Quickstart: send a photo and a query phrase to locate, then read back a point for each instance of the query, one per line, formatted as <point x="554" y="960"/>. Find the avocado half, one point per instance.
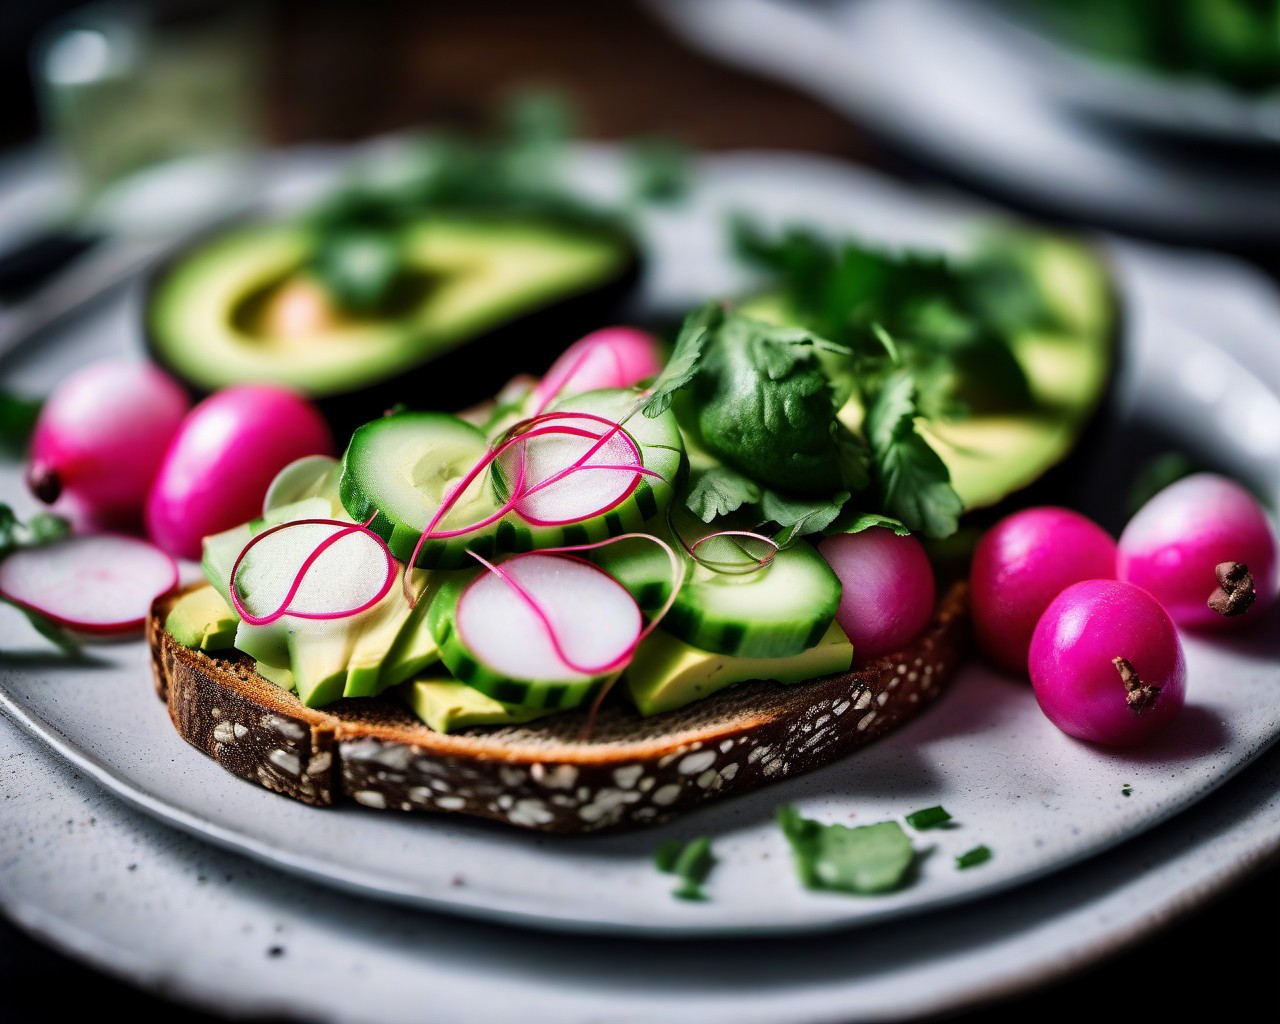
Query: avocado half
<point x="1029" y="451"/>
<point x="488" y="296"/>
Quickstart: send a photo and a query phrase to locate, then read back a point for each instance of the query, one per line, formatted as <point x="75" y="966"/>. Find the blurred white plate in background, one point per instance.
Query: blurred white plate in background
<point x="936" y="80"/>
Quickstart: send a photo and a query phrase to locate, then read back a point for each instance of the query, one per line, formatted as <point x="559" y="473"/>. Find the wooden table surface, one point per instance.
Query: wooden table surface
<point x="335" y="74"/>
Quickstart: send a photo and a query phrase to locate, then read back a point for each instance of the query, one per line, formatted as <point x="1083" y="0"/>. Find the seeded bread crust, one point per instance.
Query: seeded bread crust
<point x="632" y="771"/>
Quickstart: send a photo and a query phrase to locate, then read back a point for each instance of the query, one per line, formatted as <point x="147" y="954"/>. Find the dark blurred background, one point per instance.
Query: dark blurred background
<point x="327" y="71"/>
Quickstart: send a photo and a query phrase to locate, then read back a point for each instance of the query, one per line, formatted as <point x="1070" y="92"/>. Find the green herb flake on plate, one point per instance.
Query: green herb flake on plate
<point x="972" y="858"/>
<point x="863" y="859"/>
<point x="691" y="862"/>
<point x="928" y="817"/>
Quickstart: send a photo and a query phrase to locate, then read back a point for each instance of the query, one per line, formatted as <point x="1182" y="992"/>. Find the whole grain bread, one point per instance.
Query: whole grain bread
<point x="631" y="771"/>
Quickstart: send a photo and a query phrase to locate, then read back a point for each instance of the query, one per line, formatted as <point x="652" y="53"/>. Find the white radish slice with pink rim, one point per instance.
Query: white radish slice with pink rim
<point x="569" y="467"/>
<point x="98" y="586"/>
<point x="556" y="617"/>
<point x="311" y="569"/>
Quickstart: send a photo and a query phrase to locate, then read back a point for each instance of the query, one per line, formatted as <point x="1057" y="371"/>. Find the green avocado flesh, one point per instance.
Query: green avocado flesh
<point x="467" y="275"/>
<point x="202" y="620"/>
<point x="667" y="673"/>
<point x="991" y="456"/>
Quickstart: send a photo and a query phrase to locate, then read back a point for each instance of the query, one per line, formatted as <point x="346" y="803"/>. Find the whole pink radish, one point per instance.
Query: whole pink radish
<point x="887" y="590"/>
<point x="612" y="357"/>
<point x="1204" y="548"/>
<point x="1106" y="663"/>
<point x="222" y="460"/>
<point x="100" y="438"/>
<point x="97" y="586"/>
<point x="1021" y="564"/>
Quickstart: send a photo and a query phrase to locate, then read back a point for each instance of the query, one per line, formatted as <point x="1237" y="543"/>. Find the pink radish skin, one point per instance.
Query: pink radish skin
<point x="1173" y="544"/>
<point x="101" y="437"/>
<point x="1076" y="680"/>
<point x="1020" y="565"/>
<point x="98" y="587"/>
<point x="612" y="357"/>
<point x="222" y="460"/>
<point x="887" y="589"/>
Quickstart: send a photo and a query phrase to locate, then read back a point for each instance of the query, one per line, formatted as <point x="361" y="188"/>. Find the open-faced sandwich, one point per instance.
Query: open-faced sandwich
<point x="653" y="576"/>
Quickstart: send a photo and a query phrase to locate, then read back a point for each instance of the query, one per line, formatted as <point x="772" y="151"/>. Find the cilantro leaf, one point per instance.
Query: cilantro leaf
<point x="686" y="357"/>
<point x="799" y="516"/>
<point x="914" y="481"/>
<point x="762" y="402"/>
<point x="856" y="522"/>
<point x="719" y="490"/>
<point x="865" y="859"/>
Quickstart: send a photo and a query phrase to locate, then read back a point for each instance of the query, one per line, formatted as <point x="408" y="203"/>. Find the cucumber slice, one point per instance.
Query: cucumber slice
<point x="632" y="502"/>
<point x="312" y="476"/>
<point x="398" y="470"/>
<point x="493" y="641"/>
<point x="642" y="567"/>
<point x="774" y="612"/>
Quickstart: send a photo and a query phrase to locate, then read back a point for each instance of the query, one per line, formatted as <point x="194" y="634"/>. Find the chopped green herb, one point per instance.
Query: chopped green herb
<point x="691" y="862"/>
<point x="42" y="528"/>
<point x="17" y="420"/>
<point x="928" y="817"/>
<point x="659" y="169"/>
<point x="864" y="859"/>
<point x="1127" y="790"/>
<point x="666" y="855"/>
<point x="972" y="858"/>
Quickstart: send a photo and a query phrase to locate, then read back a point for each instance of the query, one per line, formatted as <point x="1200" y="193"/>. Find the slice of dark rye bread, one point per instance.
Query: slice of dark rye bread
<point x="631" y="771"/>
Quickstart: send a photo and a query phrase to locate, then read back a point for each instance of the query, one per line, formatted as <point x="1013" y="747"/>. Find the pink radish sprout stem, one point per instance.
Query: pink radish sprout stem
<point x="346" y="530"/>
<point x="521" y="434"/>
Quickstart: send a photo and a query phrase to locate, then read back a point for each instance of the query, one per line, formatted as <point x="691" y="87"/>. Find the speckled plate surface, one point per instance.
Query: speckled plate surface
<point x="1200" y="358"/>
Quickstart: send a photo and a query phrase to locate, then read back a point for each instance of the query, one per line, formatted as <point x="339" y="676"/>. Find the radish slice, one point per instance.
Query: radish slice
<point x="558" y="618"/>
<point x="311" y="569"/>
<point x="97" y="586"/>
<point x="570" y="468"/>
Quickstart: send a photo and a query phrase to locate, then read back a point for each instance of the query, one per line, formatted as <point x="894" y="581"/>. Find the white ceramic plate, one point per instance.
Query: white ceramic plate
<point x="1039" y="800"/>
<point x="955" y="91"/>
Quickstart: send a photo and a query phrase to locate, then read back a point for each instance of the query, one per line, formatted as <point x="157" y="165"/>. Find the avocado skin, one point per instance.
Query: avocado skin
<point x="454" y="380"/>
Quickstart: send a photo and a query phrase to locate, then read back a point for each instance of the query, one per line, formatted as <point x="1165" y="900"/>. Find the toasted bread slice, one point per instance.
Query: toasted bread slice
<point x="631" y="770"/>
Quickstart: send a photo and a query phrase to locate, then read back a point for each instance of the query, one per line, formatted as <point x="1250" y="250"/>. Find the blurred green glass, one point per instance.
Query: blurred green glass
<point x="1236" y="42"/>
<point x="125" y="87"/>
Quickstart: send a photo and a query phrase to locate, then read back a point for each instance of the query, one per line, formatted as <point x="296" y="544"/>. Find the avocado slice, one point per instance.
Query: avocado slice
<point x="1068" y="367"/>
<point x="667" y="673"/>
<point x="479" y="287"/>
<point x="448" y="705"/>
<point x="202" y="620"/>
